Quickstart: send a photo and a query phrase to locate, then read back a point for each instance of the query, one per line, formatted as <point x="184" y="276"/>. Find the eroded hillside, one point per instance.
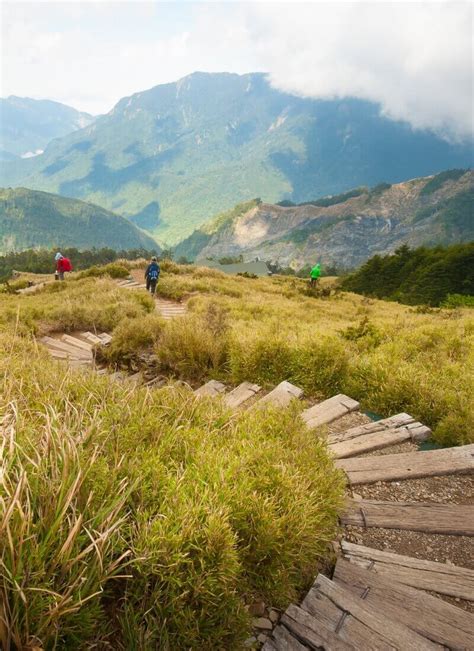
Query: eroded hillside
<point x="356" y="225"/>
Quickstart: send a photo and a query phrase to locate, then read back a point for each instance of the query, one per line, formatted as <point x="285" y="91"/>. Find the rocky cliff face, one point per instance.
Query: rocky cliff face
<point x="424" y="211"/>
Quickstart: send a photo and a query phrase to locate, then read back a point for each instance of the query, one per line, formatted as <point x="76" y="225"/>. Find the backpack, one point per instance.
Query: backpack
<point x="153" y="272"/>
<point x="66" y="264"/>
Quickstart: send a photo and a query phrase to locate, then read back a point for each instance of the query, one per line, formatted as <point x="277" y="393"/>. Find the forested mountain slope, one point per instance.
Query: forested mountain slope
<point x="344" y="230"/>
<point x="30" y="218"/>
<point x="170" y="157"/>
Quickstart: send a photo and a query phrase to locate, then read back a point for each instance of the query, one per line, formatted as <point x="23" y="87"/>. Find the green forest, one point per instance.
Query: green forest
<point x="423" y="275"/>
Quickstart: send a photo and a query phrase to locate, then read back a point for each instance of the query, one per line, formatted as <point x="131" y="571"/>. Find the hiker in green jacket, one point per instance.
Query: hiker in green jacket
<point x="315" y="275"/>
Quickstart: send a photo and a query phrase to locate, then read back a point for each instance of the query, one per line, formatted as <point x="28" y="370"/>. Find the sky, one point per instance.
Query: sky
<point x="414" y="58"/>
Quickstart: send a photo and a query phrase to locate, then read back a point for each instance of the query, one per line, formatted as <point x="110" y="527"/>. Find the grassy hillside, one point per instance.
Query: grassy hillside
<point x="30" y="219"/>
<point x="170" y="157"/>
<point x="144" y="516"/>
<point x="170" y="514"/>
<point x="346" y="229"/>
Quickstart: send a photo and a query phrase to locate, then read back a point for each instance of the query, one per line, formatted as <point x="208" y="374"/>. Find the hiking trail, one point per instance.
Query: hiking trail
<point x="375" y="598"/>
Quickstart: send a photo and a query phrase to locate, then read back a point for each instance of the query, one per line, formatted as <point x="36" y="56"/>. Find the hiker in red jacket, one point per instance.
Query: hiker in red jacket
<point x="62" y="265"/>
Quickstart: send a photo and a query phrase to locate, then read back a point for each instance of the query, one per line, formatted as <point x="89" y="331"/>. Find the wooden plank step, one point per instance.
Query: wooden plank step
<point x="399" y="420"/>
<point x="91" y="337"/>
<point x="281" y="396"/>
<point x="211" y="388"/>
<point x="283" y="640"/>
<point x="366" y="470"/>
<point x="329" y="410"/>
<point x="429" y="616"/>
<point x="105" y="338"/>
<point x="378" y="440"/>
<point x="454" y="519"/>
<point x="427" y="575"/>
<point x="60" y="354"/>
<point x="357" y="622"/>
<point x="57" y="344"/>
<point x="240" y="394"/>
<point x="315" y="633"/>
<point x="75" y="341"/>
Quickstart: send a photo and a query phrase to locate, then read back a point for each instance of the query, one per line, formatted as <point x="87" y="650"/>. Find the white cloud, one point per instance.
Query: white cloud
<point x="415" y="59"/>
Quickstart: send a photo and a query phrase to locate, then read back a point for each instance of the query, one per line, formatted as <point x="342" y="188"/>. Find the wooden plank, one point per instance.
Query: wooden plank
<point x="429" y="616"/>
<point x="329" y="410"/>
<point x="283" y="640"/>
<point x="379" y="440"/>
<point x="57" y="344"/>
<point x="240" y="394"/>
<point x="412" y="465"/>
<point x="312" y="632"/>
<point x="59" y="354"/>
<point x="74" y="341"/>
<point x="392" y="631"/>
<point x="350" y="630"/>
<point x="454" y="519"/>
<point x="399" y="420"/>
<point x="427" y="575"/>
<point x="281" y="396"/>
<point x="94" y="339"/>
<point x="105" y="338"/>
<point x="211" y="388"/>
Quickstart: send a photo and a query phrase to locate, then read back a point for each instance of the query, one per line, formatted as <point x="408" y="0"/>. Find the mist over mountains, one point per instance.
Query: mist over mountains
<point x="27" y="125"/>
<point x="170" y="157"/>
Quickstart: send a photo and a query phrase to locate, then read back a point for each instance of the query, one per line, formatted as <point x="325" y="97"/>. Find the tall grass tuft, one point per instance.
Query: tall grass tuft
<point x="58" y="548"/>
<point x="147" y="518"/>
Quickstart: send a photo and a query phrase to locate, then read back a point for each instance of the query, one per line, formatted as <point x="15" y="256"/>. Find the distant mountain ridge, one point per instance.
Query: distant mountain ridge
<point x="32" y="219"/>
<point x="170" y="157"/>
<point x="344" y="230"/>
<point x="28" y="125"/>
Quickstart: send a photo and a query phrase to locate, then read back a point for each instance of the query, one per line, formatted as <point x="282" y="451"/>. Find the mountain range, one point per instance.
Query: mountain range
<point x="343" y="230"/>
<point x="27" y="125"/>
<point x="170" y="157"/>
<point x="31" y="219"/>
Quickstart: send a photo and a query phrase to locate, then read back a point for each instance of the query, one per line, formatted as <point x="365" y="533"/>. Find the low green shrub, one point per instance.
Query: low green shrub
<point x="113" y="270"/>
<point x="458" y="300"/>
<point x="133" y="336"/>
<point x="189" y="349"/>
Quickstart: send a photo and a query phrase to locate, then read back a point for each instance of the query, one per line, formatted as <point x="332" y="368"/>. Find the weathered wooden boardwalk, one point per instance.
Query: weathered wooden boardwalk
<point x="77" y="350"/>
<point x="377" y="599"/>
<point x="167" y="308"/>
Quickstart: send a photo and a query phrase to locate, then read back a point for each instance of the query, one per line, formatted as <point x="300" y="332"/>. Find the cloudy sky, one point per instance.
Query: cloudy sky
<point x="414" y="58"/>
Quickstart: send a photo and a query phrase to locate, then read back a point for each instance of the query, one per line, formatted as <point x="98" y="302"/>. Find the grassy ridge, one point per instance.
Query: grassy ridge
<point x="137" y="518"/>
<point x="383" y="354"/>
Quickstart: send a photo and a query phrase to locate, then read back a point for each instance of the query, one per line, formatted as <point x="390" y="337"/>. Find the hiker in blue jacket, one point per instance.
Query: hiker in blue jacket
<point x="152" y="274"/>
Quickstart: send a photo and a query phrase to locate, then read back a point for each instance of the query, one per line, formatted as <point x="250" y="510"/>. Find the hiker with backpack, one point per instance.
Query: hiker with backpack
<point x="152" y="274"/>
<point x="314" y="275"/>
<point x="63" y="265"/>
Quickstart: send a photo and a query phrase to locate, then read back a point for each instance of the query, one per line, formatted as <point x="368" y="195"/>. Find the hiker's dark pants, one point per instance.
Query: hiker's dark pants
<point x="313" y="282"/>
<point x="151" y="285"/>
